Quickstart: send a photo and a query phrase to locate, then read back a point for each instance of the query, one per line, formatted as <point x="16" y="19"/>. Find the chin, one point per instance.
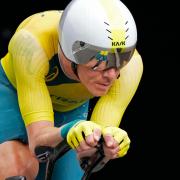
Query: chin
<point x="98" y="93"/>
<point x="98" y="90"/>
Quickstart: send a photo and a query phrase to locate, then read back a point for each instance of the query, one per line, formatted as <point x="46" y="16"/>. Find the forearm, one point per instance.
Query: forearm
<point x="107" y="113"/>
<point x="49" y="136"/>
<point x="43" y="133"/>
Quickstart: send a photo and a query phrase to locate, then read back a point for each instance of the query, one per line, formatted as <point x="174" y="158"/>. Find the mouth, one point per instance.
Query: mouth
<point x="102" y="86"/>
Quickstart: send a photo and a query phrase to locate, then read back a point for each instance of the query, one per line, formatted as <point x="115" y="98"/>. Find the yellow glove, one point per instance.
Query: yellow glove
<point x="75" y="134"/>
<point x="120" y="136"/>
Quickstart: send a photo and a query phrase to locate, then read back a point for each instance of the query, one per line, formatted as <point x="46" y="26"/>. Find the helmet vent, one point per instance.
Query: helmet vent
<point x="106" y="23"/>
<point x="127" y="29"/>
<point x="110" y="38"/>
<point x="108" y="30"/>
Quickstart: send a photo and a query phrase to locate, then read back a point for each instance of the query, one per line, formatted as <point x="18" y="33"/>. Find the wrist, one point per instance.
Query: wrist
<point x="66" y="127"/>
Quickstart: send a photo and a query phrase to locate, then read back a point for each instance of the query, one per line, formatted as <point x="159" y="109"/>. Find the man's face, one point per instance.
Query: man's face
<point x="97" y="80"/>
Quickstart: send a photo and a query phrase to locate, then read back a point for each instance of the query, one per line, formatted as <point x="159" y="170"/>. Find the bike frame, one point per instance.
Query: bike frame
<point x="51" y="155"/>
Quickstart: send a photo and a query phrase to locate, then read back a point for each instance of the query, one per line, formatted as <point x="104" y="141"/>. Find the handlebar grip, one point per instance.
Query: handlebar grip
<point x="44" y="153"/>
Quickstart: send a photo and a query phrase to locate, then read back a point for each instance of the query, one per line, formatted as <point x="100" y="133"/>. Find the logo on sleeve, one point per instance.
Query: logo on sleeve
<point x="52" y="74"/>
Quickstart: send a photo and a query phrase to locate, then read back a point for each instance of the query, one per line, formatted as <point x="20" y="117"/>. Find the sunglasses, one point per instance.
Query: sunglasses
<point x="115" y="57"/>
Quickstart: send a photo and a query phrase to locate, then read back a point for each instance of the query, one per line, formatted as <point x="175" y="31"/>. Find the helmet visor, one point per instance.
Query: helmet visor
<point x="115" y="57"/>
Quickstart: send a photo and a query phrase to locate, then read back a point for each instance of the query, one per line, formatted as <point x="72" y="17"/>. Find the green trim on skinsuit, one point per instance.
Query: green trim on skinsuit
<point x="11" y="122"/>
<point x="56" y="75"/>
<point x="65" y="129"/>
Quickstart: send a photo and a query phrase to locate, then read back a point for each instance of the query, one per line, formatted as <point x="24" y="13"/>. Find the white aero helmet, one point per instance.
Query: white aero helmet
<point x="101" y="29"/>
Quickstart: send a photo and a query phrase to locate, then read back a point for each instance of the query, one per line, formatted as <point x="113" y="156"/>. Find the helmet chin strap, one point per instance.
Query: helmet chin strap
<point x="74" y="69"/>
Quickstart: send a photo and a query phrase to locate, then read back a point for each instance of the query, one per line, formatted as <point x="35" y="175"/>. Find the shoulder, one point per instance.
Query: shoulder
<point x="135" y="65"/>
<point x="41" y="23"/>
<point x="39" y="30"/>
<point x="26" y="51"/>
<point x="44" y="18"/>
<point x="136" y="56"/>
<point x="22" y="40"/>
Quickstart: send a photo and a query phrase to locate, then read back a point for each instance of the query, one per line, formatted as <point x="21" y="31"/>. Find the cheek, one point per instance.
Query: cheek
<point x="94" y="77"/>
<point x="88" y="76"/>
<point x="83" y="76"/>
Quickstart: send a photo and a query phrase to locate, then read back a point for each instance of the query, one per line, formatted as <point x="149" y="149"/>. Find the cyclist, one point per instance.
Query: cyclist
<point x="56" y="62"/>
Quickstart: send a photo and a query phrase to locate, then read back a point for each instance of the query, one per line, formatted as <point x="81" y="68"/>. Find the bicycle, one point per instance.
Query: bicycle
<point x="51" y="155"/>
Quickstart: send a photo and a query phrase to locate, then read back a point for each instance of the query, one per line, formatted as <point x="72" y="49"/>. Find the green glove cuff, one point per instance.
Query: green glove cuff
<point x="65" y="129"/>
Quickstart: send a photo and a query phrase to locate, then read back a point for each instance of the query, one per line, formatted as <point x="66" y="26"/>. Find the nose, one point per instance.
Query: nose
<point x="110" y="73"/>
